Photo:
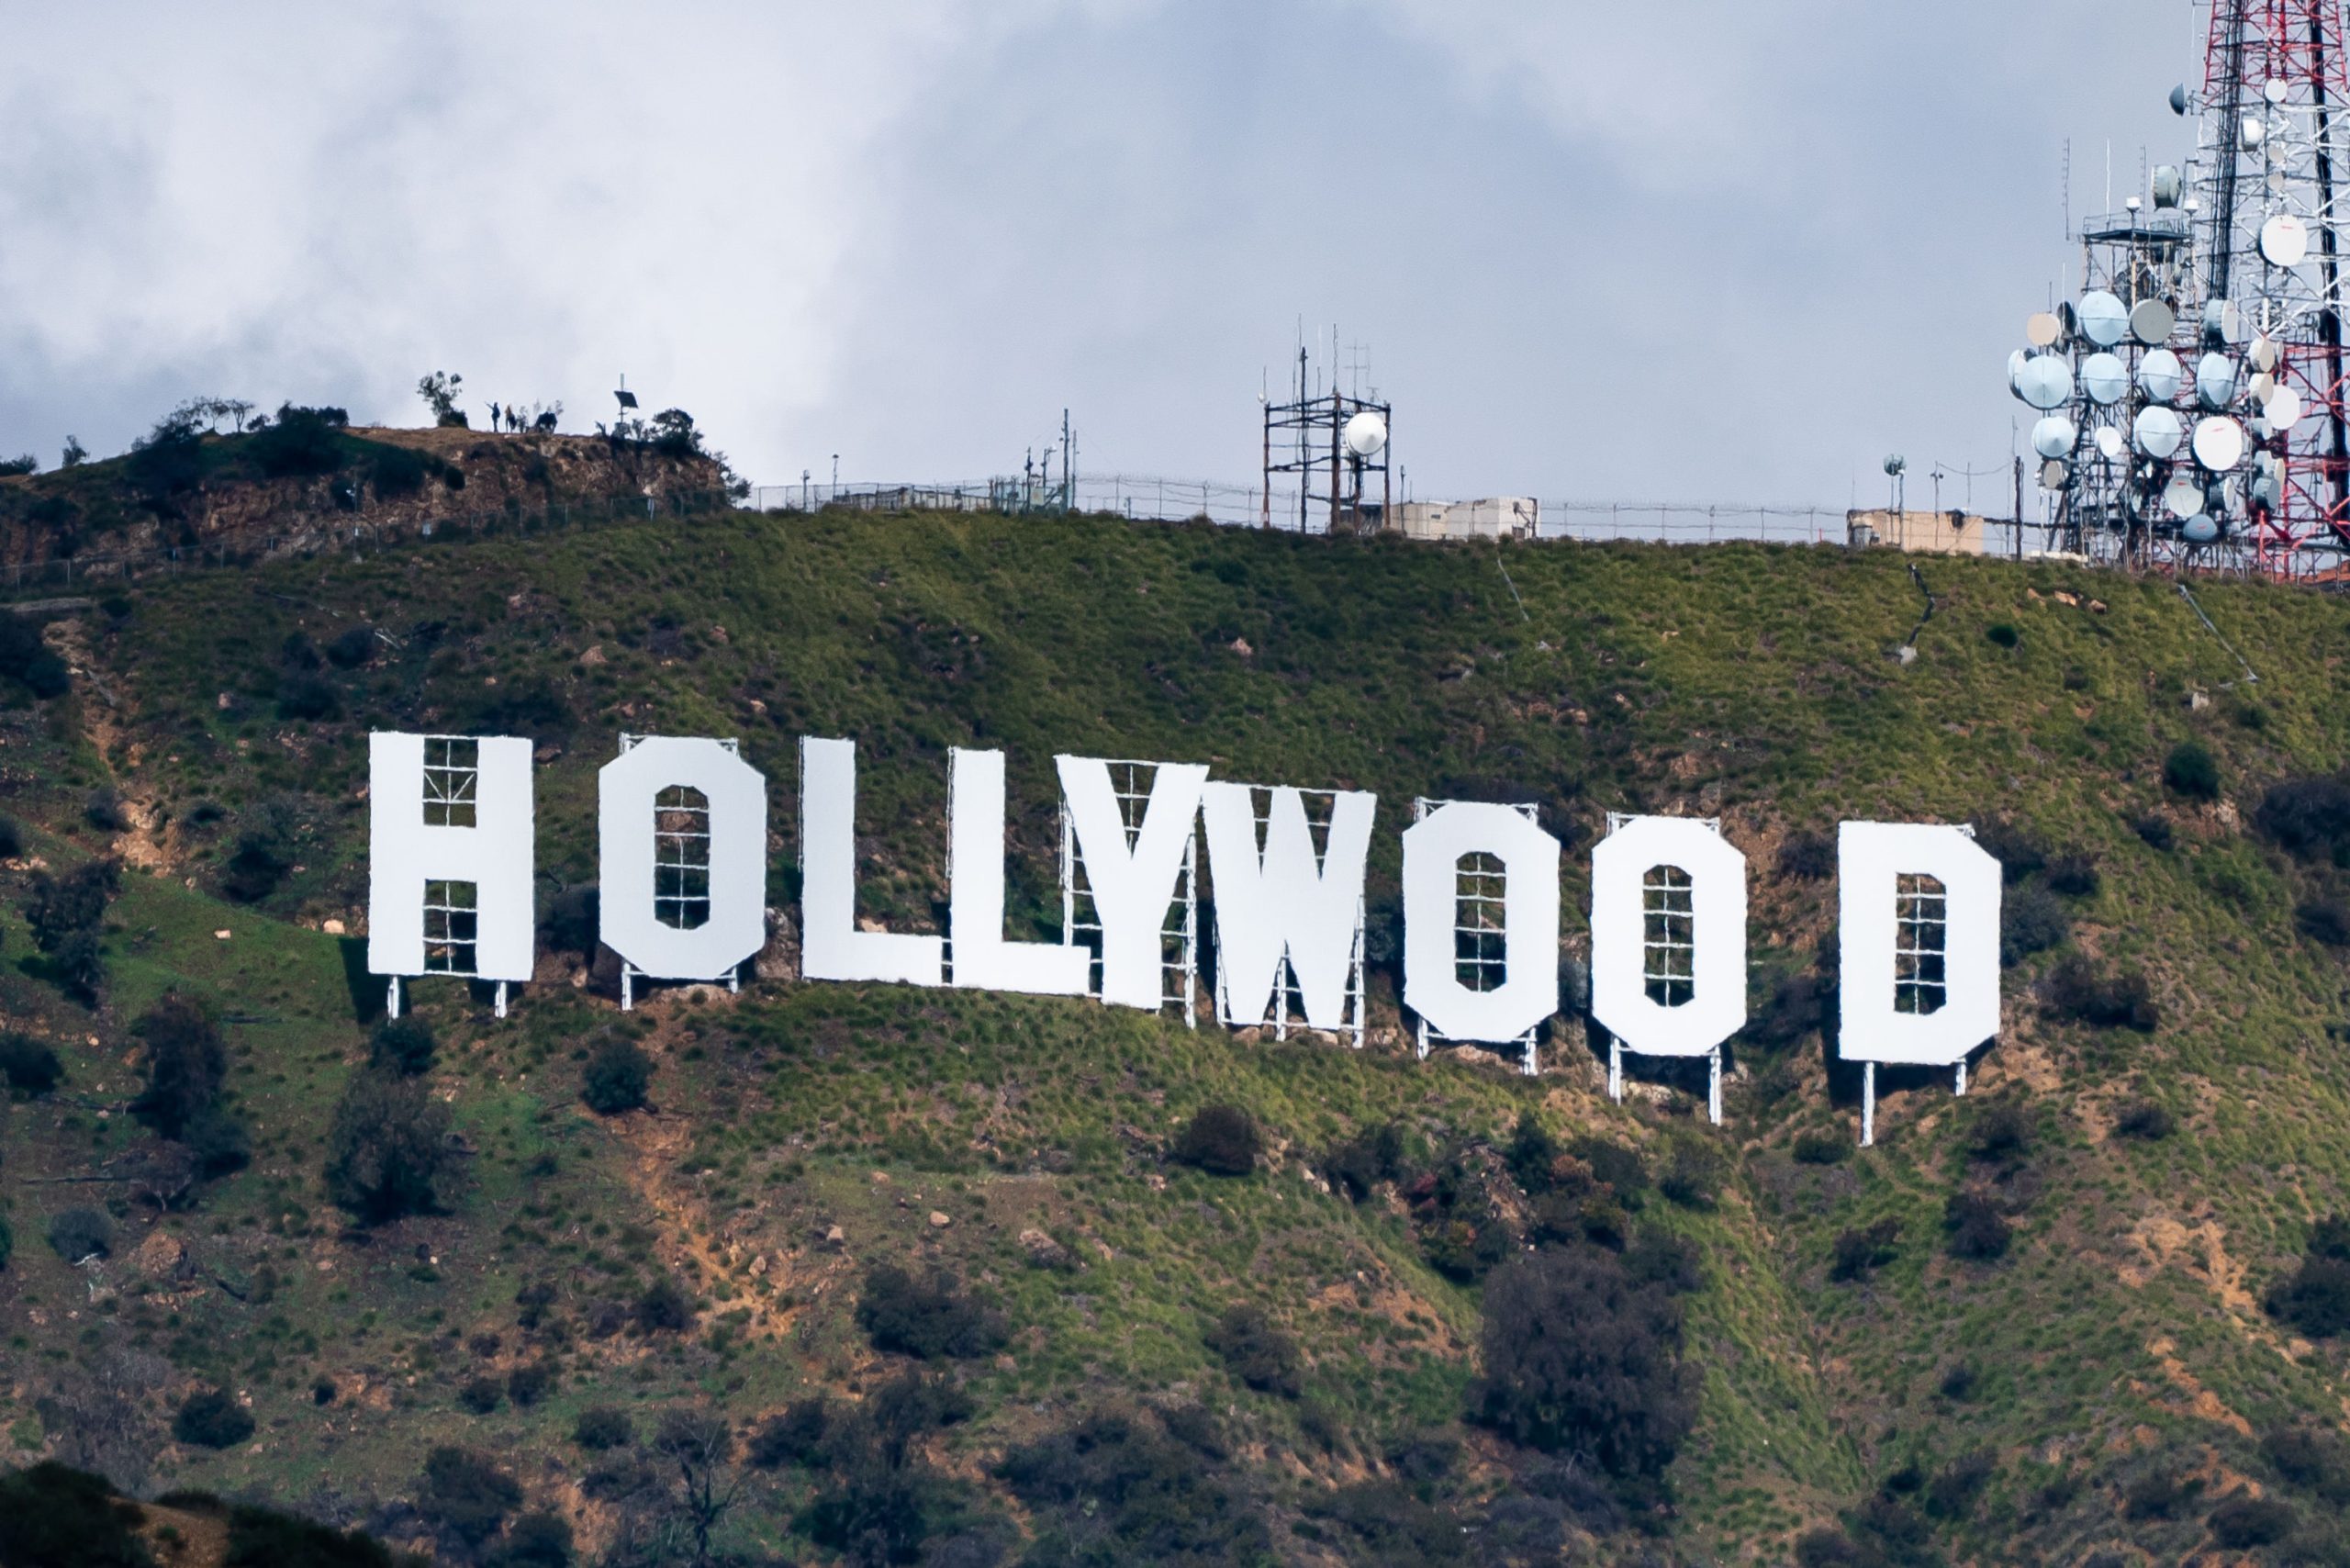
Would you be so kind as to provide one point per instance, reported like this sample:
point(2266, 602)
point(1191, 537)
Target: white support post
point(1714, 1086)
point(734, 981)
point(1530, 1064)
point(1614, 1070)
point(1421, 1046)
point(392, 999)
point(1961, 1075)
point(627, 986)
point(501, 999)
point(1868, 1104)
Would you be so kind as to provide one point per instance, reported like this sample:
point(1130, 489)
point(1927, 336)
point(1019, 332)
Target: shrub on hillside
point(1220, 1139)
point(2315, 1298)
point(2192, 771)
point(530, 1383)
point(1580, 1360)
point(2313, 1458)
point(187, 1065)
point(2309, 817)
point(2243, 1521)
point(796, 1437)
point(926, 1319)
point(1974, 1228)
point(573, 922)
point(2018, 850)
point(1807, 857)
point(306, 699)
point(1358, 1166)
point(28, 661)
point(1110, 1489)
point(29, 1066)
point(7, 1243)
point(263, 855)
point(404, 1045)
point(212, 1418)
point(2324, 920)
point(60, 907)
point(12, 839)
point(665, 1308)
point(1255, 1351)
point(78, 1233)
point(616, 1078)
point(2074, 876)
point(2032, 921)
point(2153, 831)
point(480, 1394)
point(1819, 1148)
point(2143, 1119)
point(602, 1426)
point(262, 1538)
point(387, 1151)
point(2001, 1133)
point(466, 1493)
point(1859, 1252)
point(1694, 1173)
point(535, 1540)
point(300, 443)
point(2078, 989)
point(53, 1517)
point(103, 810)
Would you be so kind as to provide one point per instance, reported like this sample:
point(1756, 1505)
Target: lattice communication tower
point(2189, 396)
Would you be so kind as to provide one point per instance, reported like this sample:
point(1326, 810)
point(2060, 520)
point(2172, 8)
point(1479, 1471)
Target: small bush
point(2309, 818)
point(27, 660)
point(616, 1078)
point(2157, 1495)
point(665, 1308)
point(2192, 772)
point(72, 904)
point(1807, 857)
point(1820, 1149)
point(480, 1396)
point(2324, 921)
point(387, 1151)
point(1958, 1380)
point(7, 1243)
point(2315, 1298)
point(187, 1065)
point(1860, 1252)
point(52, 1517)
point(305, 698)
point(530, 1383)
point(1693, 1174)
point(927, 1319)
point(2143, 1119)
point(2032, 921)
point(213, 1419)
point(2002, 1132)
point(2003, 634)
point(1974, 1228)
point(355, 648)
point(535, 1540)
point(2076, 989)
point(12, 839)
point(602, 1426)
point(2244, 1522)
point(2312, 1457)
point(1257, 1353)
point(29, 1066)
point(2074, 876)
point(104, 812)
point(2153, 831)
point(2019, 852)
point(1952, 1492)
point(466, 1493)
point(404, 1045)
point(78, 1233)
point(796, 1437)
point(1220, 1139)
point(1358, 1166)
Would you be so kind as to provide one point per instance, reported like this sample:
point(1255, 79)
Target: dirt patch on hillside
point(2199, 1249)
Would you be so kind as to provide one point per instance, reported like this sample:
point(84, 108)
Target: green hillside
point(2154, 1137)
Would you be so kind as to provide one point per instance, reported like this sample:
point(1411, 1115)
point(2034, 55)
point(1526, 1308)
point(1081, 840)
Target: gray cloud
point(1704, 250)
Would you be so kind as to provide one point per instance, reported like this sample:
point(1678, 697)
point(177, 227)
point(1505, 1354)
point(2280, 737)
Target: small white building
point(1496, 516)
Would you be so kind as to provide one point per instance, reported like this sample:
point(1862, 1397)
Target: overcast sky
point(1726, 250)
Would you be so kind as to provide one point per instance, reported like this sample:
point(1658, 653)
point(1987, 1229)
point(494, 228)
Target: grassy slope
point(1751, 683)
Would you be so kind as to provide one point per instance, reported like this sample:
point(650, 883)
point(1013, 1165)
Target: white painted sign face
point(1279, 903)
point(1918, 932)
point(682, 830)
point(984, 959)
point(1668, 936)
point(1132, 882)
point(1433, 850)
point(831, 945)
point(449, 855)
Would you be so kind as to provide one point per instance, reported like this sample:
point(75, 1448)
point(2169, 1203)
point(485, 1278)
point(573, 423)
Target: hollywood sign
point(682, 857)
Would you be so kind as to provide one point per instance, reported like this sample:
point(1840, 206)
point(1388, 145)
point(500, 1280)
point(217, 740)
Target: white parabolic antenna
point(2103, 318)
point(2263, 353)
point(2015, 372)
point(2284, 240)
point(2183, 496)
point(1365, 433)
point(2151, 320)
point(2046, 382)
point(2108, 442)
point(2103, 376)
point(2215, 380)
point(2040, 329)
point(2283, 409)
point(2159, 373)
point(2219, 443)
point(2053, 436)
point(2156, 431)
point(2200, 528)
point(2053, 474)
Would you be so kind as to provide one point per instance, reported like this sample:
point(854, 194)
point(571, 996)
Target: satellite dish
point(2151, 320)
point(2108, 442)
point(2200, 528)
point(2179, 99)
point(2103, 376)
point(2159, 373)
point(2183, 496)
point(2052, 474)
point(2157, 433)
point(2254, 130)
point(2016, 361)
point(2219, 443)
point(2167, 184)
point(1895, 464)
point(2053, 436)
point(1365, 433)
point(2041, 329)
point(2068, 317)
point(2215, 380)
point(2283, 409)
point(2264, 493)
point(2274, 90)
point(2284, 240)
point(2263, 353)
point(2046, 382)
point(2103, 318)
point(2262, 386)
